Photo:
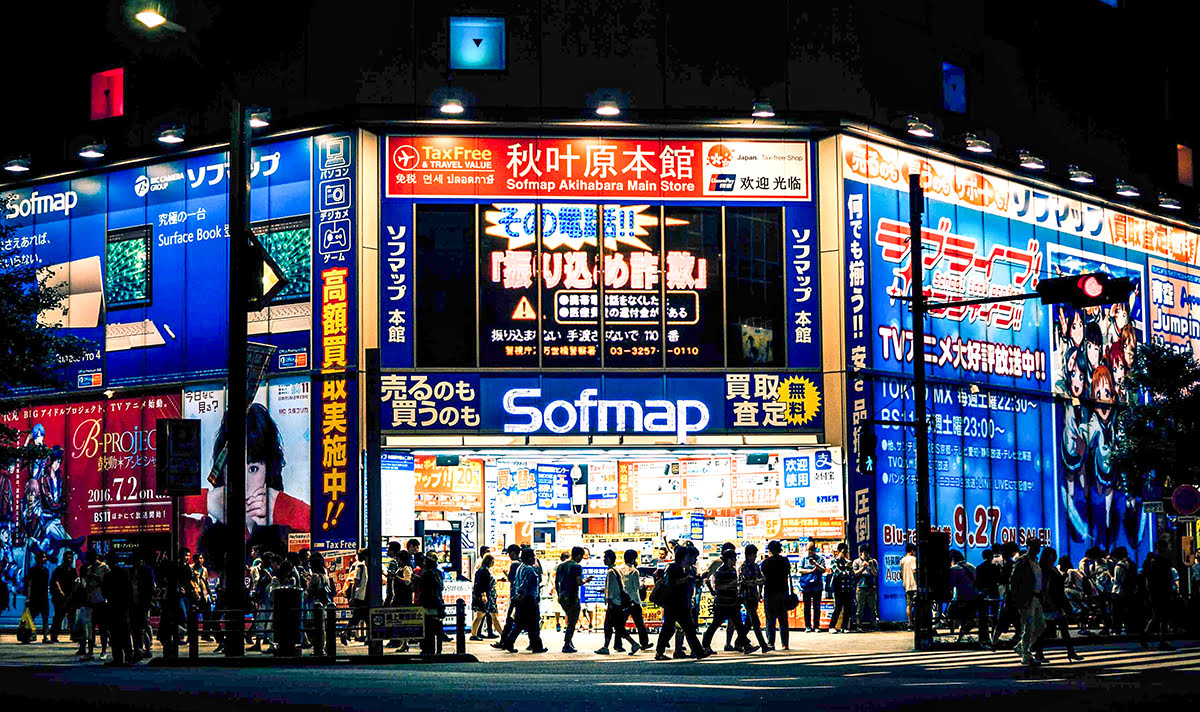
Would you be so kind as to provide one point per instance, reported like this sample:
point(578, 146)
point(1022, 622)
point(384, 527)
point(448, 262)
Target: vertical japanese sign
point(396, 298)
point(801, 258)
point(553, 487)
point(336, 486)
point(858, 394)
point(1175, 305)
point(508, 298)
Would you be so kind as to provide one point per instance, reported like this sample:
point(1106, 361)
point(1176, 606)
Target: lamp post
point(922, 628)
point(237, 399)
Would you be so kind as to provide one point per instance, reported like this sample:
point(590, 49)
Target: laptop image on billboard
point(127, 285)
point(289, 242)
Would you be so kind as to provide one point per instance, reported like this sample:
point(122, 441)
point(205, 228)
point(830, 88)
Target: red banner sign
point(463, 166)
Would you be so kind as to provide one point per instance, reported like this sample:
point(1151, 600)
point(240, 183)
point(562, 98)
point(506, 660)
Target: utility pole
point(374, 543)
point(922, 625)
point(236, 397)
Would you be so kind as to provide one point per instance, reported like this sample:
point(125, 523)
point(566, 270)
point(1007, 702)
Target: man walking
point(510, 618)
point(37, 593)
point(568, 579)
point(866, 578)
point(1025, 595)
point(615, 600)
point(726, 605)
point(631, 581)
point(777, 584)
point(62, 584)
point(676, 603)
point(527, 595)
point(908, 576)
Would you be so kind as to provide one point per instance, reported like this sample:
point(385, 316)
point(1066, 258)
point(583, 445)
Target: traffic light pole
point(236, 397)
point(922, 625)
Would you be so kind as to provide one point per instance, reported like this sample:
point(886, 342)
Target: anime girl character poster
point(1091, 352)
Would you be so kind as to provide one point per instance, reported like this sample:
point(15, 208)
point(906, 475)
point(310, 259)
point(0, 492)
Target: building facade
point(609, 333)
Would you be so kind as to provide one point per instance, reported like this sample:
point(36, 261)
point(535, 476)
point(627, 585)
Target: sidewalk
point(881, 643)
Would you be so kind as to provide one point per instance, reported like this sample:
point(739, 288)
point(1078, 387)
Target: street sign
point(401, 623)
point(1186, 500)
point(1153, 506)
point(265, 277)
point(177, 467)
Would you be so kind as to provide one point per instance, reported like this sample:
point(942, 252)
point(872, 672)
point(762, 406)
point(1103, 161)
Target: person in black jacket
point(1159, 588)
point(510, 618)
point(62, 584)
point(118, 592)
point(431, 600)
point(777, 584)
point(483, 597)
point(1008, 612)
point(1056, 606)
point(678, 581)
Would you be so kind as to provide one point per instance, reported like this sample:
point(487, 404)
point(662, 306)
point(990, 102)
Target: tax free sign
point(635, 404)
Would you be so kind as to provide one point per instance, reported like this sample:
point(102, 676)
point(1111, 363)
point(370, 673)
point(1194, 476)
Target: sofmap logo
point(37, 204)
point(560, 416)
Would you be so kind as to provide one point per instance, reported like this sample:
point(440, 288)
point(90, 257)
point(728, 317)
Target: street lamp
point(153, 16)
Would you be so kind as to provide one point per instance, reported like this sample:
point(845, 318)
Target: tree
point(1157, 431)
point(34, 351)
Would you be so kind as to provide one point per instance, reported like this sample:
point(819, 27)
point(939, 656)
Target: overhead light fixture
point(919, 128)
point(1078, 175)
point(975, 144)
point(1030, 162)
point(151, 15)
point(608, 108)
point(18, 165)
point(93, 150)
point(452, 106)
point(171, 134)
point(1127, 190)
point(260, 118)
point(762, 110)
point(1168, 203)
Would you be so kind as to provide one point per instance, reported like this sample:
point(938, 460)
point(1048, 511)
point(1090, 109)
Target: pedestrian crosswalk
point(1122, 659)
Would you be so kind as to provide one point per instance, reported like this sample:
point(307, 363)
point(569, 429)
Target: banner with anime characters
point(96, 479)
point(1022, 397)
point(1091, 351)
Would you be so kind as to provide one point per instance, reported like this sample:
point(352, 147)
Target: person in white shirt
point(616, 602)
point(908, 574)
point(631, 582)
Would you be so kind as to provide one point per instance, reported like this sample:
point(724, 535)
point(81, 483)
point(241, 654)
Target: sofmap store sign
point(635, 404)
point(141, 256)
point(1028, 456)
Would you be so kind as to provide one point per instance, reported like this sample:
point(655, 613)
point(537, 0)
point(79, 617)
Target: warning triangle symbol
point(524, 311)
point(477, 40)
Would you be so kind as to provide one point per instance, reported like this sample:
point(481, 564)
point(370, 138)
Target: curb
point(309, 661)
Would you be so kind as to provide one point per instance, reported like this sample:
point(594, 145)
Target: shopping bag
point(26, 630)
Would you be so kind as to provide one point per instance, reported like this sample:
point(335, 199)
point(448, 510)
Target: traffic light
point(867, 444)
point(1085, 290)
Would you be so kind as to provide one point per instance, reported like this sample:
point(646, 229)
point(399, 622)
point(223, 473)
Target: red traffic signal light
point(1085, 290)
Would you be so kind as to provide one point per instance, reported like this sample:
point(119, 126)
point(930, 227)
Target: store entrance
point(645, 499)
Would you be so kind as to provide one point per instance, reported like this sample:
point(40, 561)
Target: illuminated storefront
point(606, 342)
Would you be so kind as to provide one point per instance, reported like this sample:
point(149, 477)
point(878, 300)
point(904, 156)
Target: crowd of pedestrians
point(1041, 595)
point(1032, 592)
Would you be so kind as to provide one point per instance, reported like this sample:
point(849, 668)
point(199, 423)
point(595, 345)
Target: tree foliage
point(1158, 433)
point(34, 352)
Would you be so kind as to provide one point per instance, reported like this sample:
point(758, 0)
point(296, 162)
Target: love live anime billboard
point(1022, 396)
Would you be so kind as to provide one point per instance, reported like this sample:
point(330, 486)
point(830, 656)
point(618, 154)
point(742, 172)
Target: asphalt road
point(1111, 677)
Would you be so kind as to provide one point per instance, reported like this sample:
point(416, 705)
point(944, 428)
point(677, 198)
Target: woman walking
point(1055, 604)
point(483, 598)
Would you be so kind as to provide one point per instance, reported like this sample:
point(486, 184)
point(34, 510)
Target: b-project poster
point(97, 480)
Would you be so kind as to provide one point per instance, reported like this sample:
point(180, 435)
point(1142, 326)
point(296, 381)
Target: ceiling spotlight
point(1078, 175)
point(1030, 161)
point(976, 145)
point(93, 150)
point(1126, 190)
point(608, 108)
point(1168, 203)
point(452, 106)
point(171, 134)
point(18, 165)
point(260, 118)
point(762, 110)
point(919, 128)
point(151, 15)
